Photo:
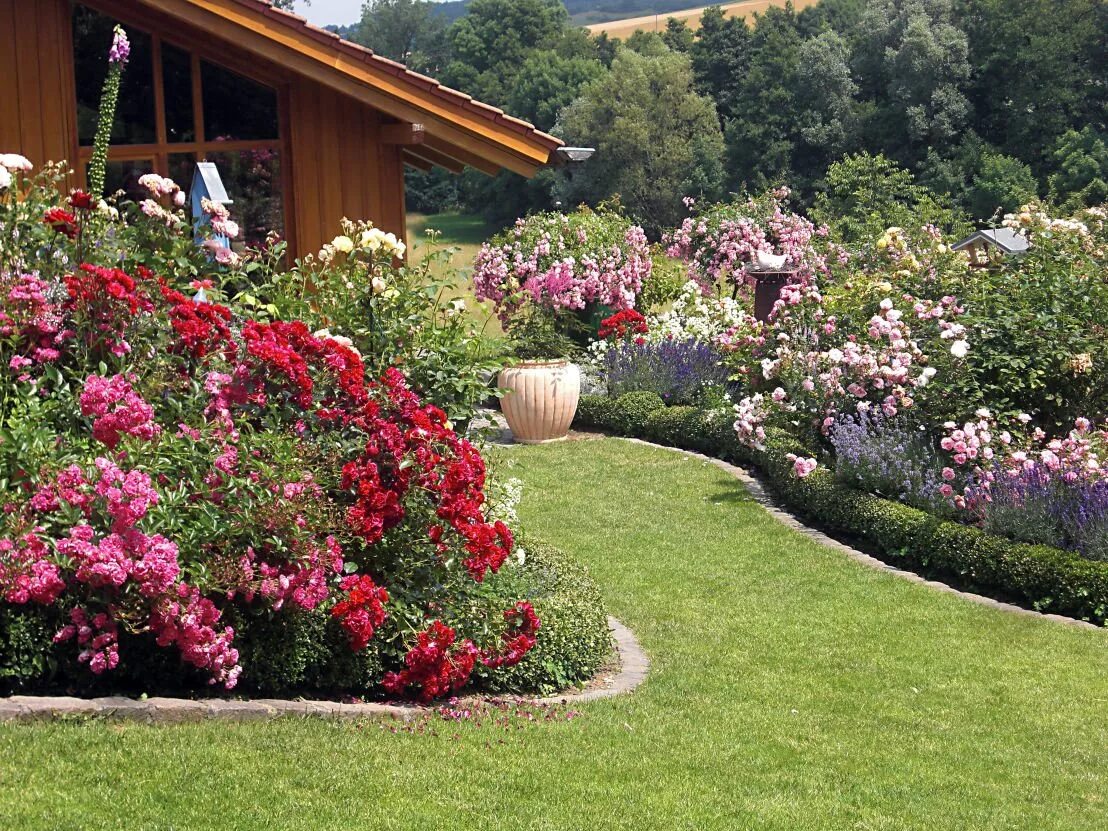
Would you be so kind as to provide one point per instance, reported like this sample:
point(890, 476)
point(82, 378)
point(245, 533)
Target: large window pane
point(236, 107)
point(134, 114)
point(181, 168)
point(253, 182)
point(177, 83)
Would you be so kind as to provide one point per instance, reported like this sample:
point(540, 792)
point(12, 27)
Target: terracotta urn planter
point(541, 399)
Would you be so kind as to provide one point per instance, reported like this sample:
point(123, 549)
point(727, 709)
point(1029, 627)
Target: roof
point(483, 136)
point(1007, 240)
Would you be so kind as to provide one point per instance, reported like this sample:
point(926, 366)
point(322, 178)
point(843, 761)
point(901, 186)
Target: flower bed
point(1045, 578)
point(203, 492)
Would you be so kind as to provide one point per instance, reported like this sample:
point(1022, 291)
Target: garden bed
point(1036, 576)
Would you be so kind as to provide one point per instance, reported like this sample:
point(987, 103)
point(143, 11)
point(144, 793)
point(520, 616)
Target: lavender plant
point(1054, 506)
point(681, 372)
point(891, 457)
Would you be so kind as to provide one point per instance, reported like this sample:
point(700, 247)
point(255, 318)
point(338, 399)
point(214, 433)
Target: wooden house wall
point(38, 108)
point(340, 167)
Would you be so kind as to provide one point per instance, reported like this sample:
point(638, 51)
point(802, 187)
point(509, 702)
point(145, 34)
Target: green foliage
point(574, 641)
point(1000, 186)
point(1082, 176)
point(595, 412)
point(408, 31)
point(546, 83)
point(1032, 317)
point(866, 194)
point(27, 651)
point(633, 409)
point(656, 139)
point(1048, 579)
point(663, 286)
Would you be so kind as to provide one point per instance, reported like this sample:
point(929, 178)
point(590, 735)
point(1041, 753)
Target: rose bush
point(184, 474)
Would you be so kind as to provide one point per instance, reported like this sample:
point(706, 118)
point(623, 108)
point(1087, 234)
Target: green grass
point(791, 689)
point(465, 232)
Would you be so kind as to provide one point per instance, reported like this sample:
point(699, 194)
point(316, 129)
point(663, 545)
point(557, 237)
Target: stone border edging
point(760, 495)
point(633, 668)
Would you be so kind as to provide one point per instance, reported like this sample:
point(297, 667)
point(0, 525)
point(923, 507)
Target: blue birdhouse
point(207, 184)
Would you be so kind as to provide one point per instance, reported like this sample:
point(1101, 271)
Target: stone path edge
point(759, 494)
point(634, 665)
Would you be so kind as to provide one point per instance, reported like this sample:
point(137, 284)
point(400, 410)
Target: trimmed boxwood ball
point(595, 412)
point(573, 641)
point(632, 410)
point(1042, 577)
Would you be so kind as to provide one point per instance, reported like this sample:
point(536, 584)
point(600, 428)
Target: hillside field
point(657, 22)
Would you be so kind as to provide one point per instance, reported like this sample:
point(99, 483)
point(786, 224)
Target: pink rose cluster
point(979, 451)
point(719, 243)
point(555, 261)
point(117, 410)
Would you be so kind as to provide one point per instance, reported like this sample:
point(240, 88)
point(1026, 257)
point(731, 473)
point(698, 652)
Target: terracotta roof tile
point(460, 99)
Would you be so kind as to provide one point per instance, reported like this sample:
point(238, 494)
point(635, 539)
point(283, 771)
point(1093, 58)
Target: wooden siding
point(339, 167)
point(38, 110)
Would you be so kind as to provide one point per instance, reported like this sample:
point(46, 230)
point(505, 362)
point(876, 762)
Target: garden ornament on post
point(207, 185)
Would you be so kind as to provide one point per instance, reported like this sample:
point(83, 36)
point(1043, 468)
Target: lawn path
point(791, 688)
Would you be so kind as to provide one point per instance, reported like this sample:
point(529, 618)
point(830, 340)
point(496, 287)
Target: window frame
point(162, 148)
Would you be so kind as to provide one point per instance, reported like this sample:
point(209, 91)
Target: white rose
point(5, 178)
point(959, 349)
point(13, 161)
point(372, 239)
point(378, 285)
point(343, 244)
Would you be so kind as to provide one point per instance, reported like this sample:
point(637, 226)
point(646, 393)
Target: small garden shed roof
point(1007, 240)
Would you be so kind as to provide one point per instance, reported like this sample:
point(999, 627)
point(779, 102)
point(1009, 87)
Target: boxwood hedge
point(1045, 578)
point(304, 653)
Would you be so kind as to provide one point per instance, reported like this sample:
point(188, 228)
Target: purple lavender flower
point(679, 371)
point(121, 47)
point(891, 457)
point(1064, 508)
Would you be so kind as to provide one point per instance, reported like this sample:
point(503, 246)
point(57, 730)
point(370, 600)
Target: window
point(176, 108)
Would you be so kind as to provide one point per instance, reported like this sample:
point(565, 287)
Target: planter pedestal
point(767, 289)
point(541, 399)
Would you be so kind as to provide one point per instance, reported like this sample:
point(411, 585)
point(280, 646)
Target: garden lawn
point(791, 688)
point(465, 232)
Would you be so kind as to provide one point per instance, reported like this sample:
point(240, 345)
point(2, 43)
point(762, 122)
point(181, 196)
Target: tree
point(1081, 160)
point(824, 94)
point(491, 42)
point(911, 60)
point(762, 130)
point(866, 194)
point(407, 31)
point(1002, 184)
point(678, 36)
point(1039, 70)
point(546, 83)
point(656, 139)
point(720, 58)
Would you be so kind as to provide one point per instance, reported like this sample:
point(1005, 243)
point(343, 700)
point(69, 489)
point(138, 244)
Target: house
point(984, 246)
point(305, 128)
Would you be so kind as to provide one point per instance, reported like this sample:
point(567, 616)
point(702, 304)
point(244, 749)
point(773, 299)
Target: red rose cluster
point(362, 611)
point(622, 324)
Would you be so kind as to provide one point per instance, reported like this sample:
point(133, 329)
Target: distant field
point(657, 22)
